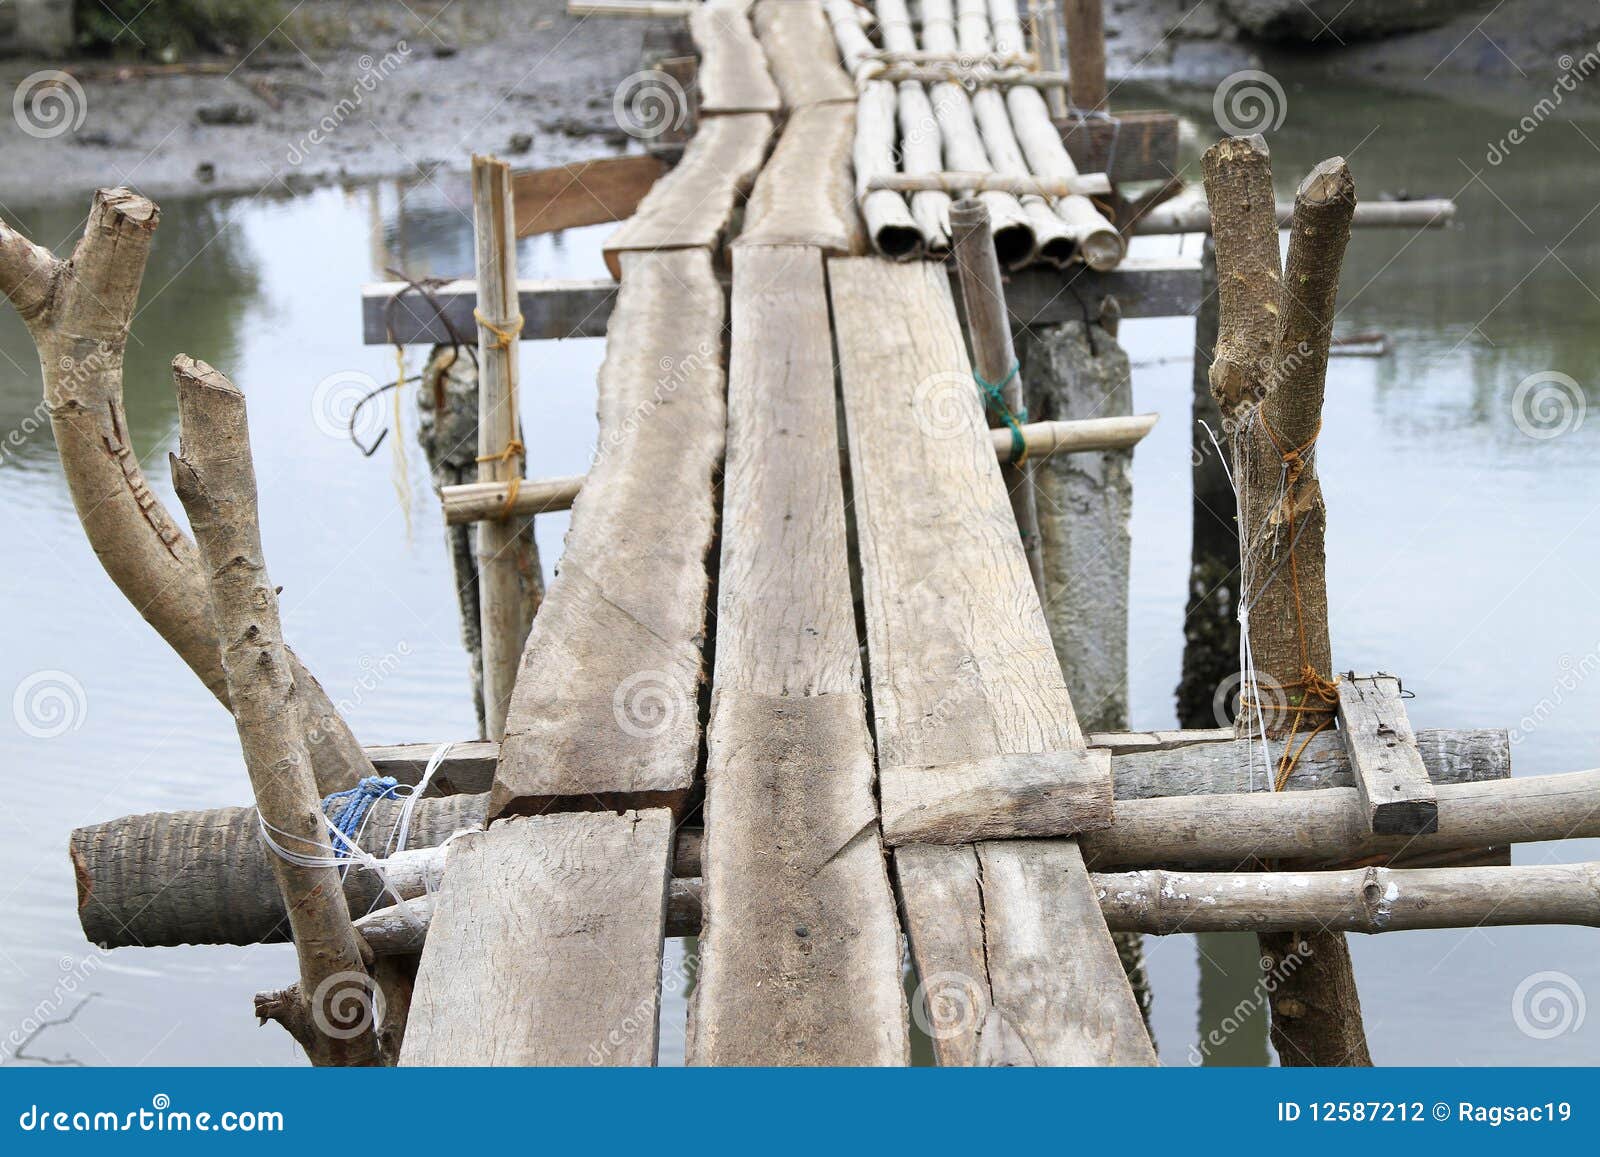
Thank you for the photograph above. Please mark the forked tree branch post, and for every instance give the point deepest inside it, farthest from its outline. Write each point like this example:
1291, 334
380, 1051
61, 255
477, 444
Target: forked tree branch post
1268, 377
510, 585
78, 313
332, 1015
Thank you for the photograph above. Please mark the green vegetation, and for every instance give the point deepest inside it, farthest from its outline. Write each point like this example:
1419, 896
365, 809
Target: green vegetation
171, 29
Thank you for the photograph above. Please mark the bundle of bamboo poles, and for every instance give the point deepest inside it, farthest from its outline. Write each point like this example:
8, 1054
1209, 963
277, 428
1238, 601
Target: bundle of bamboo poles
951, 102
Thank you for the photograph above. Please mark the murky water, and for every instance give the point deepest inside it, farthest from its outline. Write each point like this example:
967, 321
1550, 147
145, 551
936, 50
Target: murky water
1461, 551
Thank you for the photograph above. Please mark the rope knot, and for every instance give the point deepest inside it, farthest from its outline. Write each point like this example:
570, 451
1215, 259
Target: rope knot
505, 332
994, 397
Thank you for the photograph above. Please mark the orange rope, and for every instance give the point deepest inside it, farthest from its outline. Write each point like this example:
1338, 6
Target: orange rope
505, 337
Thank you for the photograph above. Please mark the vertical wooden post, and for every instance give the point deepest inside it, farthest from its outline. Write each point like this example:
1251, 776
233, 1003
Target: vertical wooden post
994, 359
1047, 47
509, 581
333, 1013
1086, 53
1268, 377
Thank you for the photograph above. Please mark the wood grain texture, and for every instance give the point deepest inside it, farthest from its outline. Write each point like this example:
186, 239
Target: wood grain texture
805, 194
545, 946
606, 698
801, 54
963, 668
733, 68
800, 956
692, 206
1390, 774
583, 193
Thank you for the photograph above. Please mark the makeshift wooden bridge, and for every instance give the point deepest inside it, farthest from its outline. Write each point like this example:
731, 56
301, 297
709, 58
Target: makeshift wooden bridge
794, 689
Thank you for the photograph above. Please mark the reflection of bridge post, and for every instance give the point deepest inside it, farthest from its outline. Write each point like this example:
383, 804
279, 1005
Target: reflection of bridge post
1232, 1027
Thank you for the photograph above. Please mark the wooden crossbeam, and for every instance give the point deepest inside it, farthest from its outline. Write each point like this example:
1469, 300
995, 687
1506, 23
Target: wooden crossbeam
1390, 774
800, 956
545, 945
1168, 287
583, 193
606, 699
966, 693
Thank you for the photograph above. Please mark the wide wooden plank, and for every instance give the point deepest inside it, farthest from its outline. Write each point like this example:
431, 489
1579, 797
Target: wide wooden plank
545, 945
1390, 774
963, 670
733, 69
606, 696
583, 193
805, 194
801, 53
692, 205
800, 953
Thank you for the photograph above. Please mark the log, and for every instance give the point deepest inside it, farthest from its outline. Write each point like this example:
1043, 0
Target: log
1014, 237
583, 193
920, 146
78, 314
215, 479
1193, 215
545, 946
733, 73
983, 300
800, 955
474, 501
804, 195
801, 53
889, 222
975, 709
1099, 243
692, 207
605, 702
1383, 750
510, 581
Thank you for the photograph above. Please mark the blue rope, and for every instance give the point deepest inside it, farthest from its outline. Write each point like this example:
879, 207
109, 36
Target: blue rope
358, 801
996, 400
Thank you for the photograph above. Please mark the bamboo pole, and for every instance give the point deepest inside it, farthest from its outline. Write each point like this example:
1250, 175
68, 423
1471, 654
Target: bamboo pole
973, 76
1086, 52
1046, 40
1193, 215
476, 501
1014, 239
332, 1013
1164, 903
1057, 245
78, 313
921, 147
994, 358
972, 181
894, 232
1268, 376
510, 585
1099, 243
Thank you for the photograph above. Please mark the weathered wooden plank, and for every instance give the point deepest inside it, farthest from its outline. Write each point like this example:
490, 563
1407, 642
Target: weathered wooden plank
733, 68
1168, 287
1126, 146
691, 207
801, 54
545, 946
606, 696
963, 670
963, 673
582, 193
550, 310
800, 954
1390, 774
805, 194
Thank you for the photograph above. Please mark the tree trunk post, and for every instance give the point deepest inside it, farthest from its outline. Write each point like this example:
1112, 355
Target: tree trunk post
78, 313
334, 1014
510, 585
995, 360
1268, 378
